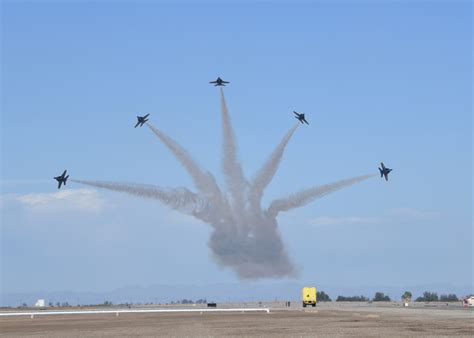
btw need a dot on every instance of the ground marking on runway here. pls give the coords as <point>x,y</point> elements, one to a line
<point>84,312</point>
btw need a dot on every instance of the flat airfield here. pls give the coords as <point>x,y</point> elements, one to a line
<point>328,319</point>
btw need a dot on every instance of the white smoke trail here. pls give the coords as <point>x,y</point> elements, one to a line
<point>244,237</point>
<point>231,167</point>
<point>265,175</point>
<point>304,197</point>
<point>203,181</point>
<point>180,199</point>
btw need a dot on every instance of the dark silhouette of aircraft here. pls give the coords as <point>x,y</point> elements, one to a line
<point>219,82</point>
<point>384,171</point>
<point>142,120</point>
<point>300,117</point>
<point>61,179</point>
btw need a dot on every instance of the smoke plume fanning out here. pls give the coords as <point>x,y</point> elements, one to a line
<point>245,235</point>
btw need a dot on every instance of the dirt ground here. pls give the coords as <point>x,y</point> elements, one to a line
<point>324,321</point>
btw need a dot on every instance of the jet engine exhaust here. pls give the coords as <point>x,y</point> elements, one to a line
<point>245,235</point>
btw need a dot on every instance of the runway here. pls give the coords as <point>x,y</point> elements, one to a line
<point>33,314</point>
<point>332,319</point>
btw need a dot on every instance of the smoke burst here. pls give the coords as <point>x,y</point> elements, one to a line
<point>245,236</point>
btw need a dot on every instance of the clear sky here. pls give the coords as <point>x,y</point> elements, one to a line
<point>388,81</point>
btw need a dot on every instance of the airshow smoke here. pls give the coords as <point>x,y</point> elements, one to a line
<point>245,236</point>
<point>306,196</point>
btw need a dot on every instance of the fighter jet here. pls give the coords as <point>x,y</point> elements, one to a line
<point>142,120</point>
<point>384,171</point>
<point>61,179</point>
<point>300,117</point>
<point>219,82</point>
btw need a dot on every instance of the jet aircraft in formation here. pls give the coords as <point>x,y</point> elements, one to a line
<point>384,171</point>
<point>300,117</point>
<point>219,82</point>
<point>61,179</point>
<point>142,120</point>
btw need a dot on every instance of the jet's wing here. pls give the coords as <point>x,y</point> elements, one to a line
<point>386,177</point>
<point>225,81</point>
<point>137,124</point>
<point>59,184</point>
<point>64,173</point>
<point>305,121</point>
<point>212,81</point>
<point>383,167</point>
<point>146,116</point>
<point>296,113</point>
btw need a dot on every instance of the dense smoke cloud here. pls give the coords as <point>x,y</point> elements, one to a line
<point>245,236</point>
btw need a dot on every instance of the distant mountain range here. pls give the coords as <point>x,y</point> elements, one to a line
<point>230,292</point>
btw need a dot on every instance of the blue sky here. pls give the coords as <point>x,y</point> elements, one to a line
<point>387,82</point>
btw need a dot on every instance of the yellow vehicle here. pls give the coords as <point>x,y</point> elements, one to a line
<point>308,294</point>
